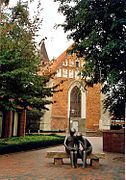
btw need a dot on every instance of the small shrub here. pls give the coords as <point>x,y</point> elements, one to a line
<point>115,127</point>
<point>15,144</point>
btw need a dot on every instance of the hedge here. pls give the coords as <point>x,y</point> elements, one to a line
<point>6,146</point>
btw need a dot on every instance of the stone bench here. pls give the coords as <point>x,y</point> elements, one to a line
<point>58,157</point>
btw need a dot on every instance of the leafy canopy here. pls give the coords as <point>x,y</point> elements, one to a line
<point>98,28</point>
<point>20,84</point>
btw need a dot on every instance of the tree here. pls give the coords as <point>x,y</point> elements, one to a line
<point>4,2</point>
<point>20,84</point>
<point>98,28</point>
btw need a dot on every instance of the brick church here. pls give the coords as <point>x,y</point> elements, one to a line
<point>73,105</point>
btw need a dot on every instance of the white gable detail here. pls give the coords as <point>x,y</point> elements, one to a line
<point>58,73</point>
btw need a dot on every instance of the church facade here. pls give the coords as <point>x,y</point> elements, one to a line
<point>73,105</point>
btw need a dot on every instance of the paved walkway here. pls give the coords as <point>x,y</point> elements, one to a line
<point>32,165</point>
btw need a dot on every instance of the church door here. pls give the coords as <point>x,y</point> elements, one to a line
<point>75,107</point>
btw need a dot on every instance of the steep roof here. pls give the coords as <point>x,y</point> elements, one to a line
<point>43,53</point>
<point>59,60</point>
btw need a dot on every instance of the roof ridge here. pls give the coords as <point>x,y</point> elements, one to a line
<point>59,59</point>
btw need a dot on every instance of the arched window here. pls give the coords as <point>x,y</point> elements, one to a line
<point>77,64</point>
<point>75,102</point>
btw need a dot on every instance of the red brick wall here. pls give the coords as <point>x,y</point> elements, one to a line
<point>7,124</point>
<point>93,107</point>
<point>114,141</point>
<point>22,123</point>
<point>60,106</point>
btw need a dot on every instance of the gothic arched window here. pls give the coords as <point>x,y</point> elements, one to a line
<point>75,102</point>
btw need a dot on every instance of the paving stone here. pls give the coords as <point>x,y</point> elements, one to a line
<point>33,165</point>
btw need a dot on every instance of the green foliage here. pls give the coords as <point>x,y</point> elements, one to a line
<point>15,144</point>
<point>115,127</point>
<point>98,28</point>
<point>20,84</point>
<point>4,2</point>
<point>28,139</point>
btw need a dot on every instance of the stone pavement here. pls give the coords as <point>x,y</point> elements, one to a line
<point>32,165</point>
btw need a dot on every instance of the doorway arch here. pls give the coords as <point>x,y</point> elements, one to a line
<point>77,106</point>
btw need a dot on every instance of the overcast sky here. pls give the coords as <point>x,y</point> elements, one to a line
<point>56,41</point>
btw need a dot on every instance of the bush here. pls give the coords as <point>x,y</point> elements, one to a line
<point>115,127</point>
<point>16,144</point>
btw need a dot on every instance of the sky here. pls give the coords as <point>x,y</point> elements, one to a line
<point>56,41</point>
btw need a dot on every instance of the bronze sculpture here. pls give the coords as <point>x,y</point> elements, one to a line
<point>71,147</point>
<point>84,148</point>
